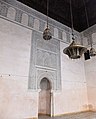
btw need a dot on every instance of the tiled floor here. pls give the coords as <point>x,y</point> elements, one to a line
<point>85,115</point>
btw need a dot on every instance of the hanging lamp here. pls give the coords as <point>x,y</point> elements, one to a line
<point>74,50</point>
<point>47,33</point>
<point>92,51</point>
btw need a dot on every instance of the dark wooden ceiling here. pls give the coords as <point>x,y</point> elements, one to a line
<point>60,11</point>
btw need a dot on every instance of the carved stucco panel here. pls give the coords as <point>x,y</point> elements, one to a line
<point>47,59</point>
<point>3,9</point>
<point>50,75</point>
<point>39,57</point>
<point>53,60</point>
<point>94,38</point>
<point>36,24</point>
<point>55,32</point>
<point>31,21</point>
<point>18,16</point>
<point>42,25</point>
<point>24,19</point>
<point>35,19</point>
<point>44,61</point>
<point>64,37</point>
<point>11,13</point>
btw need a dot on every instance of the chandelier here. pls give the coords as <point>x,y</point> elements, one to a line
<point>92,51</point>
<point>74,50</point>
<point>47,33</point>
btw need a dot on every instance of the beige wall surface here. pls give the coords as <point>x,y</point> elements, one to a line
<point>77,76</point>
<point>73,97</point>
<point>89,35</point>
<point>14,62</point>
<point>90,70</point>
<point>15,99</point>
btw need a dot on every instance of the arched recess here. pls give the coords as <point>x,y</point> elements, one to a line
<point>11,13</point>
<point>48,75</point>
<point>24,19</point>
<point>45,97</point>
<point>36,24</point>
<point>56,32</point>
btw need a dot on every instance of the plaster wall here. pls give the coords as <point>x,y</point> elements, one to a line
<point>15,99</point>
<point>90,67</point>
<point>73,97</point>
<point>15,57</point>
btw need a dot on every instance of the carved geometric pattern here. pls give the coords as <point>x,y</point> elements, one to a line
<point>56,32</point>
<point>41,25</point>
<point>53,61</point>
<point>94,38</point>
<point>44,55</point>
<point>24,19</point>
<point>31,21</point>
<point>36,24</point>
<point>51,29</point>
<point>44,62</point>
<point>88,34</point>
<point>68,37</point>
<point>89,38</point>
<point>20,8</point>
<point>45,58</point>
<point>39,58</point>
<point>60,34</point>
<point>50,75</point>
<point>11,13</point>
<point>41,44</point>
<point>18,16</point>
<point>3,9</point>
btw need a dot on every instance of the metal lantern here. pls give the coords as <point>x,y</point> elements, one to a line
<point>47,34</point>
<point>74,51</point>
<point>92,52</point>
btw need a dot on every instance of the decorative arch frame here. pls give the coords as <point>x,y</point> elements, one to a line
<point>46,75</point>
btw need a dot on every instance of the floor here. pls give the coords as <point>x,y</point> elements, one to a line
<point>84,115</point>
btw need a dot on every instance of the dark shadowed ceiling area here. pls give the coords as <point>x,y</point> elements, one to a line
<point>60,11</point>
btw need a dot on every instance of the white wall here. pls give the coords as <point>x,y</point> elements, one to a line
<point>73,97</point>
<point>15,99</point>
<point>15,44</point>
<point>90,69</point>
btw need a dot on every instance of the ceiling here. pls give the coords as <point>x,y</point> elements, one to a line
<point>60,11</point>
